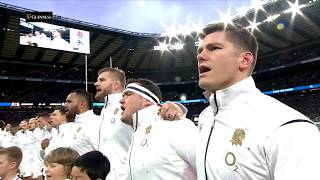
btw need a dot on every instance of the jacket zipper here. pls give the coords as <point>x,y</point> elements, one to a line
<point>208,142</point>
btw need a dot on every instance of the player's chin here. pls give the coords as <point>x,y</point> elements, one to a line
<point>203,84</point>
<point>98,96</point>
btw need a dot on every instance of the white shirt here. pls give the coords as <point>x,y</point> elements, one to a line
<point>247,140</point>
<point>85,132</point>
<point>27,142</point>
<point>56,141</point>
<point>80,135</point>
<point>59,43</point>
<point>114,137</point>
<point>1,136</point>
<point>38,133</point>
<point>49,134</point>
<point>9,140</point>
<point>162,150</point>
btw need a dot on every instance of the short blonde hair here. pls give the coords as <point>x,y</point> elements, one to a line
<point>118,74</point>
<point>64,156</point>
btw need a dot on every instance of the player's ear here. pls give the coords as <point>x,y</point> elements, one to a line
<point>12,165</point>
<point>147,102</point>
<point>246,60</point>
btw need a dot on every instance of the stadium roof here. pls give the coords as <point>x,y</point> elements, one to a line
<point>276,27</point>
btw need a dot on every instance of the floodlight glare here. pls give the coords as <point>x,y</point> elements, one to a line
<point>271,18</point>
<point>294,8</point>
<point>177,46</point>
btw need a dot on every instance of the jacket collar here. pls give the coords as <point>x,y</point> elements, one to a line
<point>80,118</point>
<point>143,116</point>
<point>112,99</point>
<point>237,92</point>
<point>62,127</point>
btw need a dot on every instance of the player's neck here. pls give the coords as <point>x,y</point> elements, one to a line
<point>10,175</point>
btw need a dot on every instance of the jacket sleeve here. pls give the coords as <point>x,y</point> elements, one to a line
<point>292,152</point>
<point>183,140</point>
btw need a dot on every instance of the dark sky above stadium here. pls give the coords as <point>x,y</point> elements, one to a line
<point>147,16</point>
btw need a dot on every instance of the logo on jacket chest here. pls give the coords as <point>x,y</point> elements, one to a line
<point>144,141</point>
<point>115,111</point>
<point>238,136</point>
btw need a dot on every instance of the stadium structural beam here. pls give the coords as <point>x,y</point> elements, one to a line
<point>40,54</point>
<point>74,59</point>
<point>20,52</point>
<point>121,49</point>
<point>4,19</point>
<point>57,57</point>
<point>131,53</point>
<point>100,49</point>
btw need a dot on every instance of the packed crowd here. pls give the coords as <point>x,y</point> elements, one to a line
<point>288,57</point>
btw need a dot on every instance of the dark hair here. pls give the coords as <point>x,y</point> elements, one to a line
<point>118,74</point>
<point>240,37</point>
<point>2,124</point>
<point>150,85</point>
<point>87,97</point>
<point>94,164</point>
<point>13,153</point>
<point>26,120</point>
<point>43,114</point>
<point>61,109</point>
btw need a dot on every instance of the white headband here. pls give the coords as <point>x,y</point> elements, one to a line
<point>142,91</point>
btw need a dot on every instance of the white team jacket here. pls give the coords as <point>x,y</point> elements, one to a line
<point>114,137</point>
<point>80,135</point>
<point>242,137</point>
<point>161,150</point>
<point>56,141</point>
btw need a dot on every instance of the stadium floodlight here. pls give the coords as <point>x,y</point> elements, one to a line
<point>171,32</point>
<point>257,5</point>
<point>166,47</point>
<point>183,97</point>
<point>226,18</point>
<point>197,42</point>
<point>271,18</point>
<point>294,8</point>
<point>185,30</point>
<point>253,26</point>
<point>176,46</point>
<point>197,27</point>
<point>242,11</point>
<point>161,47</point>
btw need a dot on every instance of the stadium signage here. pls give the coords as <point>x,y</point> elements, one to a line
<point>38,16</point>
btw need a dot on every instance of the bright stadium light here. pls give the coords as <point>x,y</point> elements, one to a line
<point>161,47</point>
<point>253,26</point>
<point>294,8</point>
<point>271,18</point>
<point>183,96</point>
<point>197,42</point>
<point>226,18</point>
<point>176,46</point>
<point>242,11</point>
<point>166,47</point>
<point>257,5</point>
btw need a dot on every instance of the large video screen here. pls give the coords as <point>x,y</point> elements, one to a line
<point>52,36</point>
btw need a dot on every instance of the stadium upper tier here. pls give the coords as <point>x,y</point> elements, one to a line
<point>280,28</point>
